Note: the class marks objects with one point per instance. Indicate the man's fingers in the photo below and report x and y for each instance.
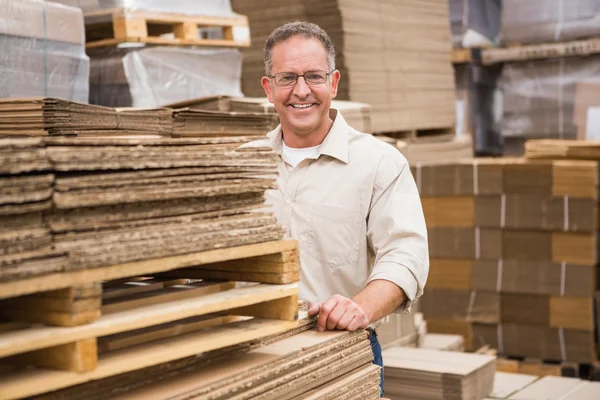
(359, 321)
(326, 309)
(335, 316)
(313, 309)
(345, 321)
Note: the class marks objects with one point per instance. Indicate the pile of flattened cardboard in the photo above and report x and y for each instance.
(525, 387)
(409, 83)
(308, 365)
(432, 374)
(43, 116)
(109, 201)
(25, 194)
(194, 122)
(357, 115)
(514, 254)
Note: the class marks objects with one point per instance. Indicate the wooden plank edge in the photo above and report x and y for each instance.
(168, 42)
(73, 278)
(540, 51)
(41, 337)
(30, 383)
(235, 19)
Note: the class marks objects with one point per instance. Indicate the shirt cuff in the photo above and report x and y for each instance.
(399, 275)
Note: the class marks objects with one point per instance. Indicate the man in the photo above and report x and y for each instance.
(348, 198)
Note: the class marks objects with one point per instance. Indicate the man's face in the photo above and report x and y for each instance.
(302, 108)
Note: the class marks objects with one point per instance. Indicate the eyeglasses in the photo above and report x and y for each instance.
(317, 77)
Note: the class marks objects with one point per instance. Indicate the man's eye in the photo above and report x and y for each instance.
(287, 78)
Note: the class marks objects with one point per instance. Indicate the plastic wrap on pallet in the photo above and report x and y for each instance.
(541, 21)
(213, 8)
(539, 96)
(42, 51)
(155, 76)
(475, 23)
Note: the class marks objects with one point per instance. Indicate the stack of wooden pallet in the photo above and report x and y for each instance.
(409, 83)
(513, 247)
(431, 374)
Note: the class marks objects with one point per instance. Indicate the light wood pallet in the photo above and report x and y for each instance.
(115, 26)
(421, 135)
(145, 321)
(540, 51)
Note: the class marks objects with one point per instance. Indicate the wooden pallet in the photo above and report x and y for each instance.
(138, 335)
(270, 262)
(540, 51)
(541, 368)
(115, 26)
(423, 135)
(461, 56)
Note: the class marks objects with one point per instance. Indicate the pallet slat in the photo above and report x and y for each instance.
(111, 27)
(75, 278)
(36, 338)
(23, 384)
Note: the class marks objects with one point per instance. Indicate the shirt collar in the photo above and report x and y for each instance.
(334, 145)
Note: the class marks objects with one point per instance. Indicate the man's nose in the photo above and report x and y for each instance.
(301, 89)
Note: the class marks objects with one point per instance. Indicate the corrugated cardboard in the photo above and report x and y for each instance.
(465, 243)
(538, 342)
(461, 305)
(534, 277)
(532, 212)
(450, 274)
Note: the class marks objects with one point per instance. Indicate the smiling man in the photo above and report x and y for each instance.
(348, 198)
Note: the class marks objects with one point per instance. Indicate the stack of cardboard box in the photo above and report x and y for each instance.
(513, 247)
(395, 56)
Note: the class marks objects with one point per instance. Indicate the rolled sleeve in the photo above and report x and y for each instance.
(396, 230)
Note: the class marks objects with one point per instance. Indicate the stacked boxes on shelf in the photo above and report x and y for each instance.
(513, 247)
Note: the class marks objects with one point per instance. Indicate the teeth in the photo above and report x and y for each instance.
(300, 106)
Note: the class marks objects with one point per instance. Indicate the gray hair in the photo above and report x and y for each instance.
(299, 28)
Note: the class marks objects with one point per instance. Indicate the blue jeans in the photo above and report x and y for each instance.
(378, 358)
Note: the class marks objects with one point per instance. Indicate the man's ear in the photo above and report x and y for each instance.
(266, 84)
(335, 80)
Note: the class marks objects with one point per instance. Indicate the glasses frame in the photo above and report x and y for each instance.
(327, 74)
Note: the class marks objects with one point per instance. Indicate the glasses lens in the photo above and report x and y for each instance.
(286, 78)
(315, 77)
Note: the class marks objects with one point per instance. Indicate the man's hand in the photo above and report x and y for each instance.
(339, 313)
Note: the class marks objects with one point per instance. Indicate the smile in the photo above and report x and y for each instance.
(301, 106)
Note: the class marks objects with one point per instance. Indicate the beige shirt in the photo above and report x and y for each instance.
(356, 212)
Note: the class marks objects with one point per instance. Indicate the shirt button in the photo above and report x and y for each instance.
(288, 202)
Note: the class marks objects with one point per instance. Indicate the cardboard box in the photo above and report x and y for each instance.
(538, 342)
(461, 305)
(462, 328)
(465, 243)
(460, 178)
(536, 212)
(533, 277)
(450, 274)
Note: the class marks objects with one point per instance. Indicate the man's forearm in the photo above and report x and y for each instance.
(379, 298)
